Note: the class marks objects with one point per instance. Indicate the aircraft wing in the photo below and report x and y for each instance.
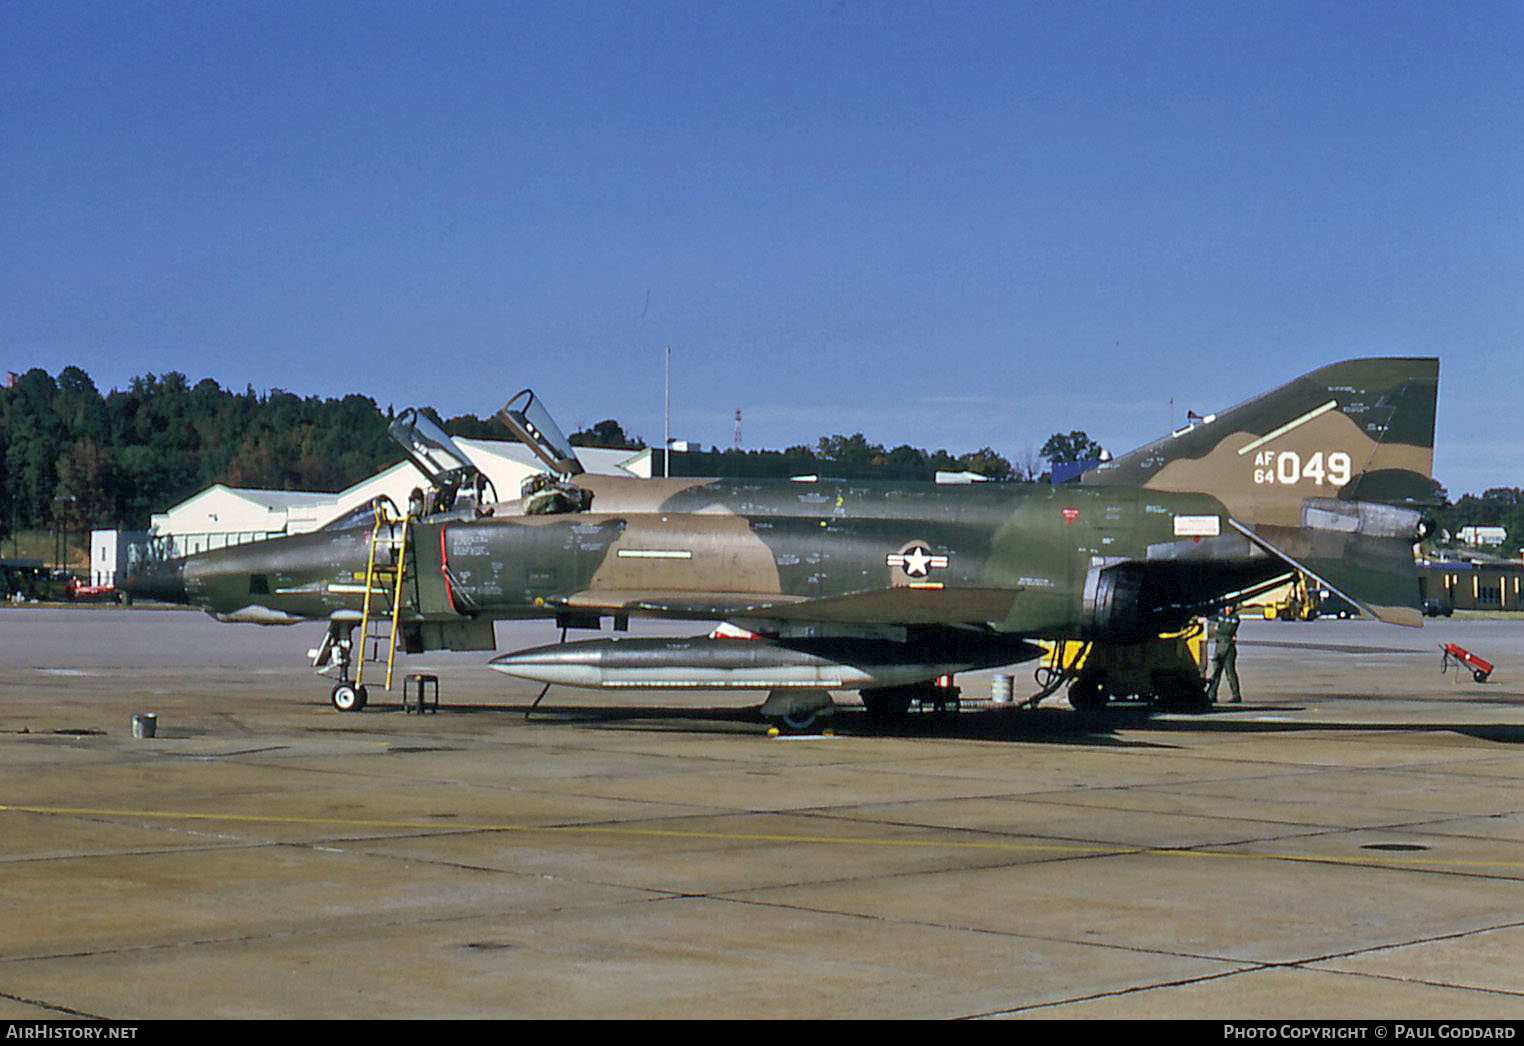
(705, 606)
(885, 606)
(1372, 571)
(904, 606)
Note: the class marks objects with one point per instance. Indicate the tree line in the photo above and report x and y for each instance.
(73, 457)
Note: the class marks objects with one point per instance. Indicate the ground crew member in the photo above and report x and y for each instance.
(1224, 638)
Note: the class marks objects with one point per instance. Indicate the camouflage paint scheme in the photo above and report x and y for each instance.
(1328, 473)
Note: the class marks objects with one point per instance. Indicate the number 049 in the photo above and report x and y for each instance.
(1287, 468)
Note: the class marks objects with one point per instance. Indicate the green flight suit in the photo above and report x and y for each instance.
(1224, 636)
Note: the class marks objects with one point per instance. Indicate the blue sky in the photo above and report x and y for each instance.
(948, 225)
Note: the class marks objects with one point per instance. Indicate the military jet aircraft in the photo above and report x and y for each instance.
(880, 587)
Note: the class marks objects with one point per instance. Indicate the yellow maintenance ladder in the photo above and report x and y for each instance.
(379, 629)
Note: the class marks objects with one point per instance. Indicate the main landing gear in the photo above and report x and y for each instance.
(1166, 691)
(809, 711)
(889, 706)
(1163, 673)
(1160, 674)
(798, 711)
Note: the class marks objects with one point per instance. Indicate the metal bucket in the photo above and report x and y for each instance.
(145, 724)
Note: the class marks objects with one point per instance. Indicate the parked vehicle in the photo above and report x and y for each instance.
(76, 591)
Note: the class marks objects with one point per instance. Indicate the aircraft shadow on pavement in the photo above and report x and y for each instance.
(1502, 732)
(1040, 725)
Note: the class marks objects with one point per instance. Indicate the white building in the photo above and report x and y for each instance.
(1477, 536)
(221, 515)
(111, 553)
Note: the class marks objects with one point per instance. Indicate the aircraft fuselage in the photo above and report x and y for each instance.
(1015, 558)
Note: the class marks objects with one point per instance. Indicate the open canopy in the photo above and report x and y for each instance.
(430, 448)
(532, 423)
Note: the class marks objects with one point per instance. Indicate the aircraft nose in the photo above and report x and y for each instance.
(162, 582)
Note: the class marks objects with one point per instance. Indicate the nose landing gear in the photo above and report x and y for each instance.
(347, 697)
(337, 652)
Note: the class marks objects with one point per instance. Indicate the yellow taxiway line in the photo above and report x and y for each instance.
(988, 845)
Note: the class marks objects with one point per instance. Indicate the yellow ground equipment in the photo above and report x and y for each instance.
(1166, 671)
(1299, 604)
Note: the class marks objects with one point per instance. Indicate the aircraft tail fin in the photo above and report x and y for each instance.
(1329, 473)
(1361, 430)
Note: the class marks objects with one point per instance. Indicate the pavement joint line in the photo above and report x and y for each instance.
(1255, 966)
(1081, 851)
(1432, 939)
(988, 931)
(1118, 992)
(55, 1007)
(1510, 992)
(1207, 815)
(1419, 863)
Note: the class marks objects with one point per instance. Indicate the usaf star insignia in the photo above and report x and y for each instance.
(916, 560)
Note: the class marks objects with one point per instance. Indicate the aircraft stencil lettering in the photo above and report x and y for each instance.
(1328, 475)
(1288, 468)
